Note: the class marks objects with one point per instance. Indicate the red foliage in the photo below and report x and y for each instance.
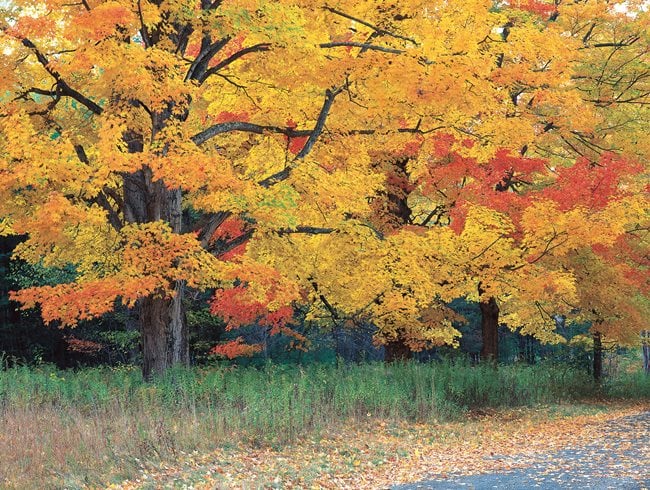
(294, 145)
(193, 49)
(237, 308)
(590, 184)
(458, 216)
(448, 173)
(411, 149)
(512, 204)
(235, 348)
(633, 261)
(503, 165)
(468, 143)
(442, 144)
(234, 252)
(229, 230)
(543, 9)
(227, 116)
(492, 183)
(278, 319)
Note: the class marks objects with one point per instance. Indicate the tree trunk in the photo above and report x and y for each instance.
(397, 350)
(162, 322)
(645, 339)
(391, 213)
(163, 329)
(490, 330)
(598, 356)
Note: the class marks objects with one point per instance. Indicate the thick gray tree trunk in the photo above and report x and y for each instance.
(598, 357)
(645, 339)
(162, 322)
(489, 327)
(490, 330)
(164, 334)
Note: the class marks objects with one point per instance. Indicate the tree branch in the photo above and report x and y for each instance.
(113, 214)
(488, 247)
(547, 249)
(247, 127)
(437, 211)
(307, 230)
(208, 51)
(378, 30)
(330, 95)
(222, 247)
(209, 225)
(234, 57)
(328, 306)
(365, 46)
(101, 200)
(62, 86)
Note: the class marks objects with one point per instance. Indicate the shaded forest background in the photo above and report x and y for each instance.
(114, 339)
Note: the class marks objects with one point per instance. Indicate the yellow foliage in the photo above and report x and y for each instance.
(123, 124)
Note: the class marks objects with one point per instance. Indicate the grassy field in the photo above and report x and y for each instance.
(87, 428)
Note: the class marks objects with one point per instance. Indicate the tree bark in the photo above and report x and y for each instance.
(164, 334)
(645, 339)
(490, 330)
(598, 356)
(391, 213)
(162, 322)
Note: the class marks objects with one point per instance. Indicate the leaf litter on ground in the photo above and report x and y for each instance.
(376, 453)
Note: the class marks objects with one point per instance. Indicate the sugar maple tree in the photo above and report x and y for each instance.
(610, 69)
(611, 273)
(134, 130)
(382, 284)
(525, 214)
(462, 235)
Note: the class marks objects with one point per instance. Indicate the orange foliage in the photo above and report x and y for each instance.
(235, 348)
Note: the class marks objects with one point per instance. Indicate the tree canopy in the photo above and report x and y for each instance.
(371, 159)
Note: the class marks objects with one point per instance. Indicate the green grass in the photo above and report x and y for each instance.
(76, 428)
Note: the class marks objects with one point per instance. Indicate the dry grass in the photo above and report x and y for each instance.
(95, 427)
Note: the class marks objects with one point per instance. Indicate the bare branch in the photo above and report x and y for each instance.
(364, 46)
(221, 247)
(143, 28)
(234, 57)
(62, 86)
(208, 51)
(247, 127)
(378, 30)
(209, 224)
(307, 230)
(330, 95)
(547, 249)
(101, 199)
(488, 247)
(436, 212)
